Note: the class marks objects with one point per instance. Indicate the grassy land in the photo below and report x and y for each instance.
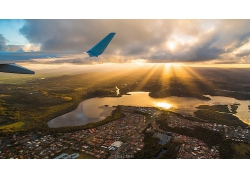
(172, 149)
(242, 149)
(234, 150)
(12, 127)
(219, 114)
(192, 118)
(221, 118)
(220, 108)
(85, 156)
(151, 148)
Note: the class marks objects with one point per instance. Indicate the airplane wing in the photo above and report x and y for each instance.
(13, 68)
(7, 64)
(101, 46)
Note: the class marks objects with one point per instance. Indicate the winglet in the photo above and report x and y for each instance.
(13, 68)
(101, 46)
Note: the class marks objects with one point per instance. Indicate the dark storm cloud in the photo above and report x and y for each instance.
(194, 40)
(3, 40)
(207, 52)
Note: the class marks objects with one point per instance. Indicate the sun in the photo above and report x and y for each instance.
(171, 45)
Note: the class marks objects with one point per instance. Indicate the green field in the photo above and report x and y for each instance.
(151, 148)
(219, 117)
(220, 108)
(172, 148)
(234, 150)
(242, 150)
(12, 127)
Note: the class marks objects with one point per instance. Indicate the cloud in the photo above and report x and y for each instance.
(191, 40)
(17, 48)
(31, 48)
(3, 40)
(24, 56)
(243, 53)
(14, 48)
(79, 59)
(80, 35)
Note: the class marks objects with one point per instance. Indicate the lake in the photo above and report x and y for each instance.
(164, 138)
(96, 109)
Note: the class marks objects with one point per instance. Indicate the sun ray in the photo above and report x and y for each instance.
(204, 81)
(145, 79)
(164, 78)
(115, 76)
(187, 81)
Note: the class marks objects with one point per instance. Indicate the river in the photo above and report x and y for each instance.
(96, 109)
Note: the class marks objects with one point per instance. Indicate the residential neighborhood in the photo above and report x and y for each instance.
(119, 139)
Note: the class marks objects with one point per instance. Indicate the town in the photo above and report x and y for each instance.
(119, 139)
(237, 134)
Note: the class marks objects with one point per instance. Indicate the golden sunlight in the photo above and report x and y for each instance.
(171, 45)
(173, 64)
(139, 61)
(163, 105)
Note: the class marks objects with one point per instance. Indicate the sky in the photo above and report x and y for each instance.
(216, 41)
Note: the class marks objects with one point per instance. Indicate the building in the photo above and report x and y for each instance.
(117, 144)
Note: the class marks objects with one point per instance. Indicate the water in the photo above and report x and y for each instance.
(161, 153)
(164, 138)
(94, 109)
(117, 91)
